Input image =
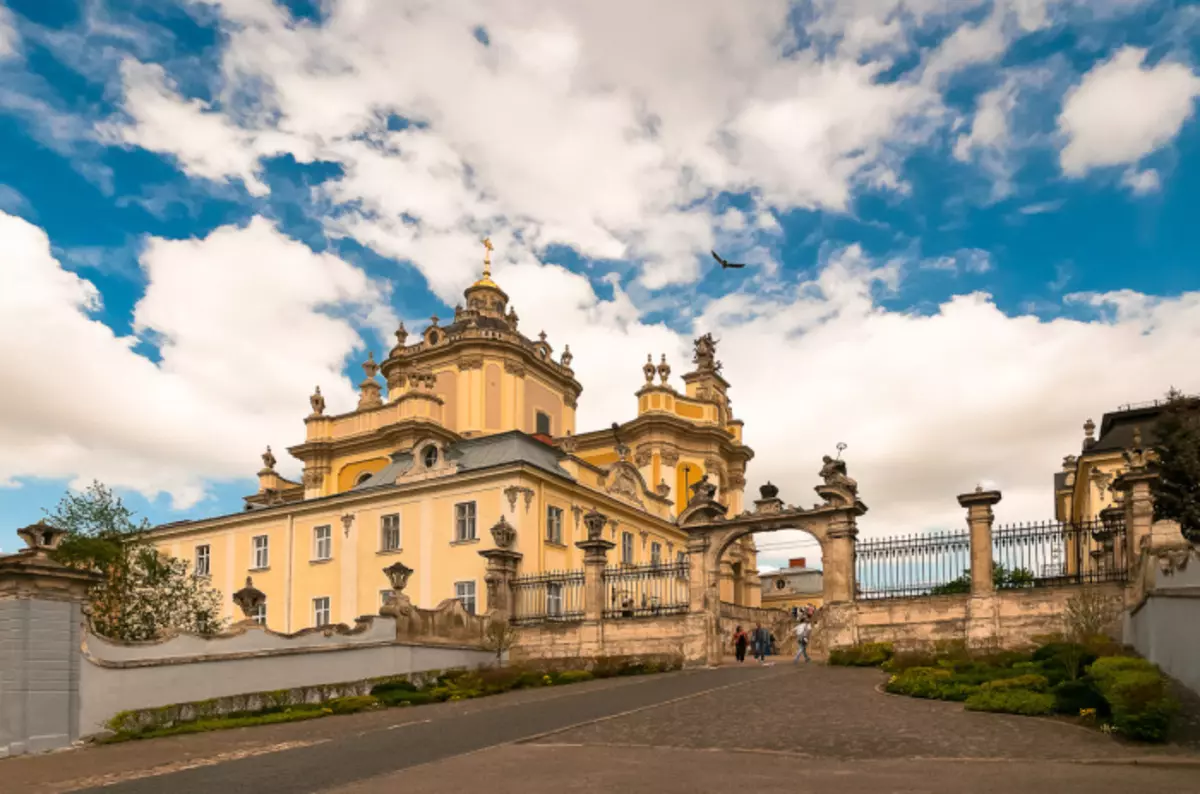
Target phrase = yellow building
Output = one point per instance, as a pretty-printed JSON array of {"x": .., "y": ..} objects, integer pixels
[
  {"x": 477, "y": 422},
  {"x": 795, "y": 587}
]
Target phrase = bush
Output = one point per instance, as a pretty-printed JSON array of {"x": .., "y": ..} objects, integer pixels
[
  {"x": 867, "y": 654},
  {"x": 573, "y": 676},
  {"x": 1137, "y": 696},
  {"x": 1032, "y": 683},
  {"x": 402, "y": 697},
  {"x": 1011, "y": 701},
  {"x": 499, "y": 679},
  {"x": 352, "y": 704},
  {"x": 1064, "y": 660},
  {"x": 934, "y": 683},
  {"x": 905, "y": 660},
  {"x": 398, "y": 685},
  {"x": 1072, "y": 697}
]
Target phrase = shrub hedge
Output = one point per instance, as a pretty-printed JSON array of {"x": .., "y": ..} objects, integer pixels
[
  {"x": 1137, "y": 696},
  {"x": 867, "y": 654},
  {"x": 1011, "y": 701}
]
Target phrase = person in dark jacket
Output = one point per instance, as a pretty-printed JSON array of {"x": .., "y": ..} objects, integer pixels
[
  {"x": 761, "y": 640},
  {"x": 740, "y": 641}
]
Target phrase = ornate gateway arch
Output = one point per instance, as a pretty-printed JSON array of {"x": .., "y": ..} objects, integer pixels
[{"x": 832, "y": 522}]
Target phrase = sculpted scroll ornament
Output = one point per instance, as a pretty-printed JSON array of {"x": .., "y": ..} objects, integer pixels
[
  {"x": 669, "y": 455},
  {"x": 642, "y": 456}
]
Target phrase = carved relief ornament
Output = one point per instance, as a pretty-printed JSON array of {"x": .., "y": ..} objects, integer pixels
[
  {"x": 669, "y": 455},
  {"x": 514, "y": 368}
]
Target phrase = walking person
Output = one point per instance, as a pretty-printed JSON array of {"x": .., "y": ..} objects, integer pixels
[
  {"x": 740, "y": 641},
  {"x": 803, "y": 631},
  {"x": 762, "y": 643}
]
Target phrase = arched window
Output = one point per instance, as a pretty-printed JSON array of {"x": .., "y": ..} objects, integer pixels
[
  {"x": 366, "y": 475},
  {"x": 543, "y": 423}
]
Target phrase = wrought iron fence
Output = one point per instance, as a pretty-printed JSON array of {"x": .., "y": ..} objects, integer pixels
[
  {"x": 912, "y": 565},
  {"x": 642, "y": 590},
  {"x": 1057, "y": 552},
  {"x": 548, "y": 596}
]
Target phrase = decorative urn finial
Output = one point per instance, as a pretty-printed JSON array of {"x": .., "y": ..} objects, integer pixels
[
  {"x": 317, "y": 402},
  {"x": 594, "y": 521},
  {"x": 401, "y": 334},
  {"x": 664, "y": 370},
  {"x": 1089, "y": 430},
  {"x": 768, "y": 491},
  {"x": 249, "y": 599},
  {"x": 503, "y": 533},
  {"x": 369, "y": 366},
  {"x": 648, "y": 368},
  {"x": 268, "y": 459},
  {"x": 397, "y": 574},
  {"x": 567, "y": 357}
]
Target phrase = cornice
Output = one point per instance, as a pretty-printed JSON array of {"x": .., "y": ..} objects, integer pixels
[
  {"x": 383, "y": 436},
  {"x": 478, "y": 343}
]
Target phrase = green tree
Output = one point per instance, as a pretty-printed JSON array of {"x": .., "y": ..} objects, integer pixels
[
  {"x": 1177, "y": 447},
  {"x": 1003, "y": 578},
  {"x": 144, "y": 593}
]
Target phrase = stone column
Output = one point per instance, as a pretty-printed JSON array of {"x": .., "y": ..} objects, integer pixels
[
  {"x": 502, "y": 563},
  {"x": 838, "y": 557},
  {"x": 595, "y": 560},
  {"x": 40, "y": 618},
  {"x": 1138, "y": 501},
  {"x": 979, "y": 520}
]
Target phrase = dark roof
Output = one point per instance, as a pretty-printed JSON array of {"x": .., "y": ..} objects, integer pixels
[
  {"x": 1116, "y": 429},
  {"x": 484, "y": 452}
]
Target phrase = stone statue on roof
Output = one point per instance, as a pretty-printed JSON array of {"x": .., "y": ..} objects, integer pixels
[
  {"x": 317, "y": 401},
  {"x": 833, "y": 472},
  {"x": 705, "y": 353}
]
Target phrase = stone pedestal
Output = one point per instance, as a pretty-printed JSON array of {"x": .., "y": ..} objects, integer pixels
[
  {"x": 838, "y": 557},
  {"x": 979, "y": 521},
  {"x": 40, "y": 621},
  {"x": 595, "y": 560}
]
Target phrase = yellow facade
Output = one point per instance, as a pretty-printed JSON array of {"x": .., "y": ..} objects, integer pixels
[{"x": 475, "y": 414}]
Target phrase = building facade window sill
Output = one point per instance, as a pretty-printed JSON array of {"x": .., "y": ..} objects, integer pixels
[
  {"x": 389, "y": 551},
  {"x": 260, "y": 570},
  {"x": 558, "y": 544},
  {"x": 466, "y": 542},
  {"x": 320, "y": 561}
]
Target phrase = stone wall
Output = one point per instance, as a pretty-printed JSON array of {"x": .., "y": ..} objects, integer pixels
[
  {"x": 669, "y": 635},
  {"x": 778, "y": 621},
  {"x": 1006, "y": 618},
  {"x": 116, "y": 677},
  {"x": 1165, "y": 626}
]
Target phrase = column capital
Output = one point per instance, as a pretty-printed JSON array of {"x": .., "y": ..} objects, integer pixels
[
  {"x": 595, "y": 549},
  {"x": 979, "y": 498}
]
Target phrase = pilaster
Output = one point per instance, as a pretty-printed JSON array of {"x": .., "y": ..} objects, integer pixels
[{"x": 979, "y": 520}]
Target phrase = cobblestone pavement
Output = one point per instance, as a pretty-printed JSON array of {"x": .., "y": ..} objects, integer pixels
[
  {"x": 536, "y": 768},
  {"x": 838, "y": 713}
]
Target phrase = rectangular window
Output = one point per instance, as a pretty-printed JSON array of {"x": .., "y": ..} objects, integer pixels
[
  {"x": 543, "y": 423},
  {"x": 202, "y": 561},
  {"x": 627, "y": 548},
  {"x": 385, "y": 596},
  {"x": 464, "y": 521},
  {"x": 465, "y": 592},
  {"x": 554, "y": 521},
  {"x": 655, "y": 553},
  {"x": 322, "y": 542},
  {"x": 260, "y": 614},
  {"x": 321, "y": 611},
  {"x": 553, "y": 598},
  {"x": 681, "y": 557},
  {"x": 390, "y": 532},
  {"x": 261, "y": 558}
]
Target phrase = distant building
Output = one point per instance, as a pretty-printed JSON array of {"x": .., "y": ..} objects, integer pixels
[{"x": 793, "y": 587}]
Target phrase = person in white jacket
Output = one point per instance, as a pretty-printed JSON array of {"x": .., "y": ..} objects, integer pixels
[{"x": 803, "y": 630}]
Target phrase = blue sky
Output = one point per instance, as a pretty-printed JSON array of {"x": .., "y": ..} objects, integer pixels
[{"x": 962, "y": 220}]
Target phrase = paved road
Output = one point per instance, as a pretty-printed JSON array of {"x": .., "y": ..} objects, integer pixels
[{"x": 360, "y": 756}]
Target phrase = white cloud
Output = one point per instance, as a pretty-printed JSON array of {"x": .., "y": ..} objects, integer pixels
[
  {"x": 10, "y": 39},
  {"x": 1123, "y": 110},
  {"x": 248, "y": 322},
  {"x": 1141, "y": 182},
  {"x": 989, "y": 137},
  {"x": 966, "y": 260}
]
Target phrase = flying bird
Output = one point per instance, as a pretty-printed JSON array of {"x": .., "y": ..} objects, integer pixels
[{"x": 725, "y": 263}]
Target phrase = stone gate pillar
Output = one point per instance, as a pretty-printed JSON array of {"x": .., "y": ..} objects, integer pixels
[
  {"x": 1138, "y": 501},
  {"x": 838, "y": 556},
  {"x": 41, "y": 612},
  {"x": 502, "y": 564},
  {"x": 595, "y": 560},
  {"x": 979, "y": 519}
]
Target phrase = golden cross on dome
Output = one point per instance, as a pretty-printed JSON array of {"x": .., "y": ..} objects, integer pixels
[{"x": 487, "y": 257}]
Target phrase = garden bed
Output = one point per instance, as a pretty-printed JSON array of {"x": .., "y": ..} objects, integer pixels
[
  {"x": 1095, "y": 685},
  {"x": 400, "y": 691}
]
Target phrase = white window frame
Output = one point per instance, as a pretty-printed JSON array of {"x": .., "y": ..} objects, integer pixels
[
  {"x": 554, "y": 524},
  {"x": 554, "y": 599},
  {"x": 261, "y": 552},
  {"x": 385, "y": 531},
  {"x": 323, "y": 542},
  {"x": 203, "y": 552},
  {"x": 627, "y": 548},
  {"x": 260, "y": 614},
  {"x": 655, "y": 553},
  {"x": 465, "y": 593},
  {"x": 322, "y": 610},
  {"x": 465, "y": 519}
]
